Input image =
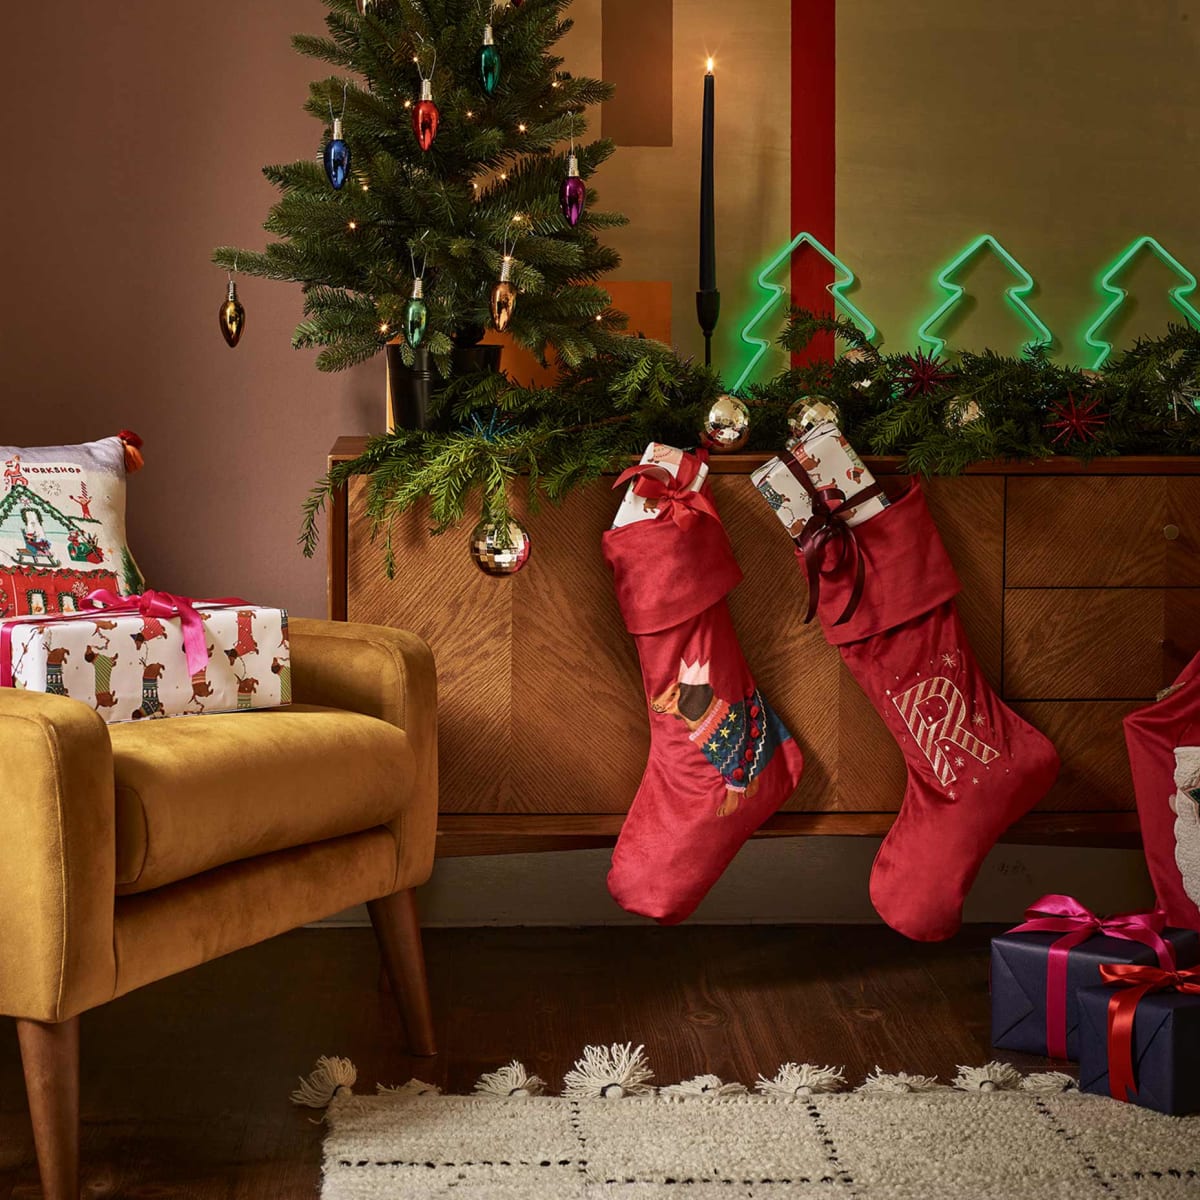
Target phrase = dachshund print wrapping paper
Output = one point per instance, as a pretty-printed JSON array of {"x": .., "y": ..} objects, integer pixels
[
  {"x": 130, "y": 667},
  {"x": 721, "y": 762}
]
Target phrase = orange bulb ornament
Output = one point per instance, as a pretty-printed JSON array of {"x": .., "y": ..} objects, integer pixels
[{"x": 232, "y": 317}]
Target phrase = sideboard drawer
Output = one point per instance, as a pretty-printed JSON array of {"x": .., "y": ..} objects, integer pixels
[
  {"x": 1143, "y": 531},
  {"x": 1097, "y": 644}
]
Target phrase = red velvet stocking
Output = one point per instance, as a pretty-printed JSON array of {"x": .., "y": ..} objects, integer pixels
[
  {"x": 721, "y": 761},
  {"x": 974, "y": 767}
]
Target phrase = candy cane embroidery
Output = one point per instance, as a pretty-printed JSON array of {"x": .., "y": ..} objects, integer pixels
[{"x": 935, "y": 736}]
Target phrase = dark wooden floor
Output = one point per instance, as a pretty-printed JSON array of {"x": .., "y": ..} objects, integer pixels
[{"x": 185, "y": 1083}]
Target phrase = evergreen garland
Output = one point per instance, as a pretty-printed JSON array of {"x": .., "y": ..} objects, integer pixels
[{"x": 603, "y": 412}]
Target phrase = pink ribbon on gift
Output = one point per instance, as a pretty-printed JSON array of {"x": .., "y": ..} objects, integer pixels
[
  {"x": 1077, "y": 923},
  {"x": 671, "y": 496},
  {"x": 163, "y": 606}
]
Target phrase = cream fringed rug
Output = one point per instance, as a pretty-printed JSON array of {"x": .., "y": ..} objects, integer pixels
[{"x": 992, "y": 1134}]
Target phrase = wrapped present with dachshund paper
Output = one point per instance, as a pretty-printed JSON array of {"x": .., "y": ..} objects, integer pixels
[
  {"x": 1139, "y": 1037},
  {"x": 1040, "y": 966},
  {"x": 153, "y": 655}
]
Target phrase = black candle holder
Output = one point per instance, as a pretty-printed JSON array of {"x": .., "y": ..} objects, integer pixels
[{"x": 708, "y": 313}]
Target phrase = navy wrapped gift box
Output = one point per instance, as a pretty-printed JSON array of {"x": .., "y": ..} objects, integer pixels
[
  {"x": 1166, "y": 1049},
  {"x": 1019, "y": 981}
]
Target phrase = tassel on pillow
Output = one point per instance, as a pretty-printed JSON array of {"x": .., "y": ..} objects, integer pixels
[{"x": 133, "y": 451}]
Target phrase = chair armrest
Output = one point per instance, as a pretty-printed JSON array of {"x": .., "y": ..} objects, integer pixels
[
  {"x": 57, "y": 857},
  {"x": 384, "y": 673}
]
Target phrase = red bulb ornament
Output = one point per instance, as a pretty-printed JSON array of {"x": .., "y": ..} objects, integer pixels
[{"x": 426, "y": 116}]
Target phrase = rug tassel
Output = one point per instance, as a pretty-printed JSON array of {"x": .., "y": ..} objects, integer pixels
[
  {"x": 512, "y": 1080},
  {"x": 802, "y": 1079},
  {"x": 991, "y": 1077},
  {"x": 900, "y": 1083},
  {"x": 1048, "y": 1083},
  {"x": 414, "y": 1087},
  {"x": 331, "y": 1077},
  {"x": 709, "y": 1087},
  {"x": 609, "y": 1073}
]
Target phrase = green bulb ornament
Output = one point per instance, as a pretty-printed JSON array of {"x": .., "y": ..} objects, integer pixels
[
  {"x": 416, "y": 315},
  {"x": 489, "y": 62}
]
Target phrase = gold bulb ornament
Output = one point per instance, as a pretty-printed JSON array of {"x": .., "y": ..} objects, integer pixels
[
  {"x": 504, "y": 296},
  {"x": 808, "y": 412},
  {"x": 726, "y": 425},
  {"x": 960, "y": 412},
  {"x": 497, "y": 555},
  {"x": 232, "y": 317}
]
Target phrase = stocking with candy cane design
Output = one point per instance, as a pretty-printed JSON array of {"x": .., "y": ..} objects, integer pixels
[
  {"x": 885, "y": 594},
  {"x": 721, "y": 762}
]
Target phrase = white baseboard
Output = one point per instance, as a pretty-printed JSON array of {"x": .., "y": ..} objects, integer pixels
[{"x": 785, "y": 881}]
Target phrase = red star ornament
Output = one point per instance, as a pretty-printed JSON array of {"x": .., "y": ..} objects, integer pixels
[
  {"x": 923, "y": 374},
  {"x": 1076, "y": 420}
]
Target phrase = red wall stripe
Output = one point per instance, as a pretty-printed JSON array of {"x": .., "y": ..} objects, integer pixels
[{"x": 814, "y": 155}]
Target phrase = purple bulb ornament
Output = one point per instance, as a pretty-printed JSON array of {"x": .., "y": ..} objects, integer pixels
[{"x": 573, "y": 195}]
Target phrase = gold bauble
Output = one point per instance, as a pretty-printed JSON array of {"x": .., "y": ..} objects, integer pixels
[
  {"x": 495, "y": 559},
  {"x": 810, "y": 411},
  {"x": 232, "y": 316},
  {"x": 962, "y": 412},
  {"x": 726, "y": 425}
]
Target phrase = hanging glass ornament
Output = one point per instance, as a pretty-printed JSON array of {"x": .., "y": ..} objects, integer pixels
[
  {"x": 337, "y": 157},
  {"x": 962, "y": 411},
  {"x": 364, "y": 6},
  {"x": 726, "y": 425},
  {"x": 504, "y": 295},
  {"x": 416, "y": 315},
  {"x": 490, "y": 553},
  {"x": 426, "y": 116},
  {"x": 573, "y": 195},
  {"x": 808, "y": 412},
  {"x": 232, "y": 316},
  {"x": 489, "y": 62}
]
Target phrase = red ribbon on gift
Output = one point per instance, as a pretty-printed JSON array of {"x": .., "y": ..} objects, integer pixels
[
  {"x": 1077, "y": 923},
  {"x": 826, "y": 526},
  {"x": 1135, "y": 982},
  {"x": 164, "y": 605},
  {"x": 671, "y": 495}
]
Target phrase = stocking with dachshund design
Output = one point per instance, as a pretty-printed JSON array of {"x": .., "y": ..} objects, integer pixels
[
  {"x": 886, "y": 600},
  {"x": 721, "y": 762}
]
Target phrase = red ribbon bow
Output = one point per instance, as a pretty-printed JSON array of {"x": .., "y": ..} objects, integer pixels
[
  {"x": 1135, "y": 982},
  {"x": 164, "y": 605},
  {"x": 830, "y": 508},
  {"x": 671, "y": 495},
  {"x": 1077, "y": 923}
]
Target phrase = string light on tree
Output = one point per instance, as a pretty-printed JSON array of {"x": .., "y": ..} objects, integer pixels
[
  {"x": 426, "y": 116},
  {"x": 573, "y": 196}
]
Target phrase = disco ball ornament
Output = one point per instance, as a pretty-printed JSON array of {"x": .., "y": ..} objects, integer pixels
[
  {"x": 960, "y": 412},
  {"x": 494, "y": 559},
  {"x": 808, "y": 412},
  {"x": 726, "y": 425}
]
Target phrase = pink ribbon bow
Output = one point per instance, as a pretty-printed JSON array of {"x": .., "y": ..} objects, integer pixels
[
  {"x": 164, "y": 605},
  {"x": 672, "y": 496},
  {"x": 1064, "y": 914}
]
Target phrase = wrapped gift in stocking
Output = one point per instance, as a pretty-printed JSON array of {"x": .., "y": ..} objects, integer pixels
[
  {"x": 884, "y": 592},
  {"x": 721, "y": 761}
]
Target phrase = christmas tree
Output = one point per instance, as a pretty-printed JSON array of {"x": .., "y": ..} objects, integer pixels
[{"x": 448, "y": 131}]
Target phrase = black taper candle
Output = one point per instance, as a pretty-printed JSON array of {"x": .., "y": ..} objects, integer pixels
[{"x": 708, "y": 299}]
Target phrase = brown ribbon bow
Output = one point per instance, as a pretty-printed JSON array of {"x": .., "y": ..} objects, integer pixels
[
  {"x": 827, "y": 524},
  {"x": 672, "y": 496}
]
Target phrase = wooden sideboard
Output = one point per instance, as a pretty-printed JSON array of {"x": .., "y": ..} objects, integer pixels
[{"x": 1081, "y": 596}]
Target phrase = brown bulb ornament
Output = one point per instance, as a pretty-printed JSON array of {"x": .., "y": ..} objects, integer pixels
[
  {"x": 504, "y": 296},
  {"x": 232, "y": 317}
]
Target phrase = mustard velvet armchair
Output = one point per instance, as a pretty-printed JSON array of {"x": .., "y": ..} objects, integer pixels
[{"x": 132, "y": 852}]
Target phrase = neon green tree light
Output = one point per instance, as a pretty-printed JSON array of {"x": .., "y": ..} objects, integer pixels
[
  {"x": 1015, "y": 295},
  {"x": 776, "y": 292},
  {"x": 1118, "y": 294}
]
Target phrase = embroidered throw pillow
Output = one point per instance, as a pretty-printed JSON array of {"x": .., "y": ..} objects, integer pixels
[{"x": 62, "y": 524}]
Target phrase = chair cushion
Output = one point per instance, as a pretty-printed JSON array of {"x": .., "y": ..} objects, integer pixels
[{"x": 199, "y": 792}]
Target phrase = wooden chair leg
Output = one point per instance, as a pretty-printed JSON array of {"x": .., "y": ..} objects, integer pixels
[
  {"x": 398, "y": 930},
  {"x": 50, "y": 1057}
]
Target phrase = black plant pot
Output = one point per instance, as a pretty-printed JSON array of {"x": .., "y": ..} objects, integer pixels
[{"x": 415, "y": 388}]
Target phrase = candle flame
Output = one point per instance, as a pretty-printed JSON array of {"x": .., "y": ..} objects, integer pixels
[{"x": 711, "y": 64}]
